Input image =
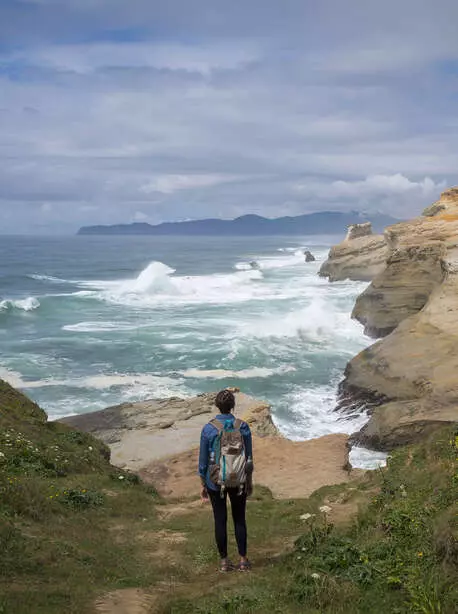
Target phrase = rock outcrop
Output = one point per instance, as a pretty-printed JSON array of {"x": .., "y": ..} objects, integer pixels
[
  {"x": 360, "y": 257},
  {"x": 402, "y": 289},
  {"x": 356, "y": 231},
  {"x": 309, "y": 257},
  {"x": 439, "y": 222},
  {"x": 408, "y": 381},
  {"x": 411, "y": 374},
  {"x": 139, "y": 433},
  {"x": 159, "y": 439}
]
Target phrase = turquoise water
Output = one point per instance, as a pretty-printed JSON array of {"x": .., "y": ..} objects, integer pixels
[{"x": 87, "y": 322}]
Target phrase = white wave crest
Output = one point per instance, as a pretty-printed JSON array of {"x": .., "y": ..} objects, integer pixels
[
  {"x": 155, "y": 278},
  {"x": 157, "y": 284},
  {"x": 318, "y": 322},
  {"x": 27, "y": 304},
  {"x": 361, "y": 458},
  {"x": 102, "y": 327},
  {"x": 97, "y": 382},
  {"x": 13, "y": 378},
  {"x": 254, "y": 372},
  {"x": 311, "y": 414},
  {"x": 50, "y": 278}
]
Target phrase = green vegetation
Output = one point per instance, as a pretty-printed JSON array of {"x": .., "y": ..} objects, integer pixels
[
  {"x": 73, "y": 528},
  {"x": 399, "y": 555},
  {"x": 59, "y": 497}
]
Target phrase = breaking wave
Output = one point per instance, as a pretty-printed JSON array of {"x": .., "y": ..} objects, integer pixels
[
  {"x": 157, "y": 284},
  {"x": 27, "y": 304},
  {"x": 249, "y": 373}
]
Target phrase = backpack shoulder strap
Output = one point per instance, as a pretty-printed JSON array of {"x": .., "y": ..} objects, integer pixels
[
  {"x": 237, "y": 424},
  {"x": 217, "y": 424}
]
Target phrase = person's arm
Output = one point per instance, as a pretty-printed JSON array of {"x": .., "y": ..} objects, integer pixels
[
  {"x": 247, "y": 440},
  {"x": 203, "y": 464}
]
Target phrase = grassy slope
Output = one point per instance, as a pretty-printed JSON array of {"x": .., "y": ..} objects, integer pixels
[{"x": 71, "y": 530}]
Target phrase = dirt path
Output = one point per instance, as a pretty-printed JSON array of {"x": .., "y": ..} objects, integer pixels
[{"x": 184, "y": 521}]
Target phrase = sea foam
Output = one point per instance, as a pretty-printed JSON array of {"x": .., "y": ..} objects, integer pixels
[
  {"x": 158, "y": 285},
  {"x": 27, "y": 304}
]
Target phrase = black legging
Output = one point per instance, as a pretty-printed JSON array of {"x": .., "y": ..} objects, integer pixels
[{"x": 238, "y": 506}]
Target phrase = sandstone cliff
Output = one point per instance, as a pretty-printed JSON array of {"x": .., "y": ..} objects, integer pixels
[
  {"x": 401, "y": 289},
  {"x": 360, "y": 257},
  {"x": 409, "y": 379}
]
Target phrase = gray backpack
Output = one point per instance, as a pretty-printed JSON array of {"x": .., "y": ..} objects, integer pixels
[{"x": 227, "y": 456}]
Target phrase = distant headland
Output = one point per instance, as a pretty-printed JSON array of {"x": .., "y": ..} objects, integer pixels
[{"x": 324, "y": 222}]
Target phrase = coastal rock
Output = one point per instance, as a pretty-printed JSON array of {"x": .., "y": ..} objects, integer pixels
[
  {"x": 159, "y": 440},
  {"x": 439, "y": 222},
  {"x": 360, "y": 257},
  {"x": 408, "y": 380},
  {"x": 403, "y": 422},
  {"x": 309, "y": 257},
  {"x": 448, "y": 200},
  {"x": 289, "y": 469},
  {"x": 401, "y": 289},
  {"x": 139, "y": 433},
  {"x": 356, "y": 231}
]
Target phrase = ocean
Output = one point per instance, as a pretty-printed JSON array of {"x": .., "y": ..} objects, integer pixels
[{"x": 88, "y": 322}]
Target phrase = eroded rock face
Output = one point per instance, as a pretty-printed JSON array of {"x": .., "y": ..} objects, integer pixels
[
  {"x": 401, "y": 289},
  {"x": 358, "y": 259},
  {"x": 439, "y": 222},
  {"x": 448, "y": 199},
  {"x": 356, "y": 231},
  {"x": 408, "y": 381},
  {"x": 409, "y": 378}
]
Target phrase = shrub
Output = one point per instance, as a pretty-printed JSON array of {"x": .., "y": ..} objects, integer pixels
[{"x": 79, "y": 499}]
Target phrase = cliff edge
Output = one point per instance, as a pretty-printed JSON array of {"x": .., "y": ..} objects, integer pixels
[
  {"x": 360, "y": 257},
  {"x": 408, "y": 379}
]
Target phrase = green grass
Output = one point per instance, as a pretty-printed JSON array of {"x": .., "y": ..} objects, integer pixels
[
  {"x": 400, "y": 555},
  {"x": 73, "y": 527},
  {"x": 59, "y": 500}
]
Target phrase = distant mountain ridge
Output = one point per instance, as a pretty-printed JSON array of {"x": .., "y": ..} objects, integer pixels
[{"x": 325, "y": 222}]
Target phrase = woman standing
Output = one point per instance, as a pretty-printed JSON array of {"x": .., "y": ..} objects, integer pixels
[{"x": 225, "y": 468}]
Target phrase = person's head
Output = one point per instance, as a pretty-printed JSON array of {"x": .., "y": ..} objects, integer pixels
[{"x": 225, "y": 401}]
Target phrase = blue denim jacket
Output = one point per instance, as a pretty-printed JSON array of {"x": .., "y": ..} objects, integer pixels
[{"x": 207, "y": 438}]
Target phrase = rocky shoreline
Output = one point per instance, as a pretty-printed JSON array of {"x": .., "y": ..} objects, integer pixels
[
  {"x": 159, "y": 439},
  {"x": 408, "y": 379}
]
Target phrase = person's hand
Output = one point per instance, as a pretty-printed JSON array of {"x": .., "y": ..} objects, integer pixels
[
  {"x": 249, "y": 487},
  {"x": 204, "y": 494}
]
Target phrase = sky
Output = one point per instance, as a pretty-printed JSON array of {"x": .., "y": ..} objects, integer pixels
[{"x": 114, "y": 111}]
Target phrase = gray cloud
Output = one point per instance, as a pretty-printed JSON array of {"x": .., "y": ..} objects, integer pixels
[{"x": 115, "y": 111}]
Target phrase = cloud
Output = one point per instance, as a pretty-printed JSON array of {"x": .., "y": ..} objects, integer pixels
[
  {"x": 390, "y": 192},
  {"x": 388, "y": 184},
  {"x": 168, "y": 184},
  {"x": 375, "y": 185},
  {"x": 111, "y": 111},
  {"x": 94, "y": 57}
]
